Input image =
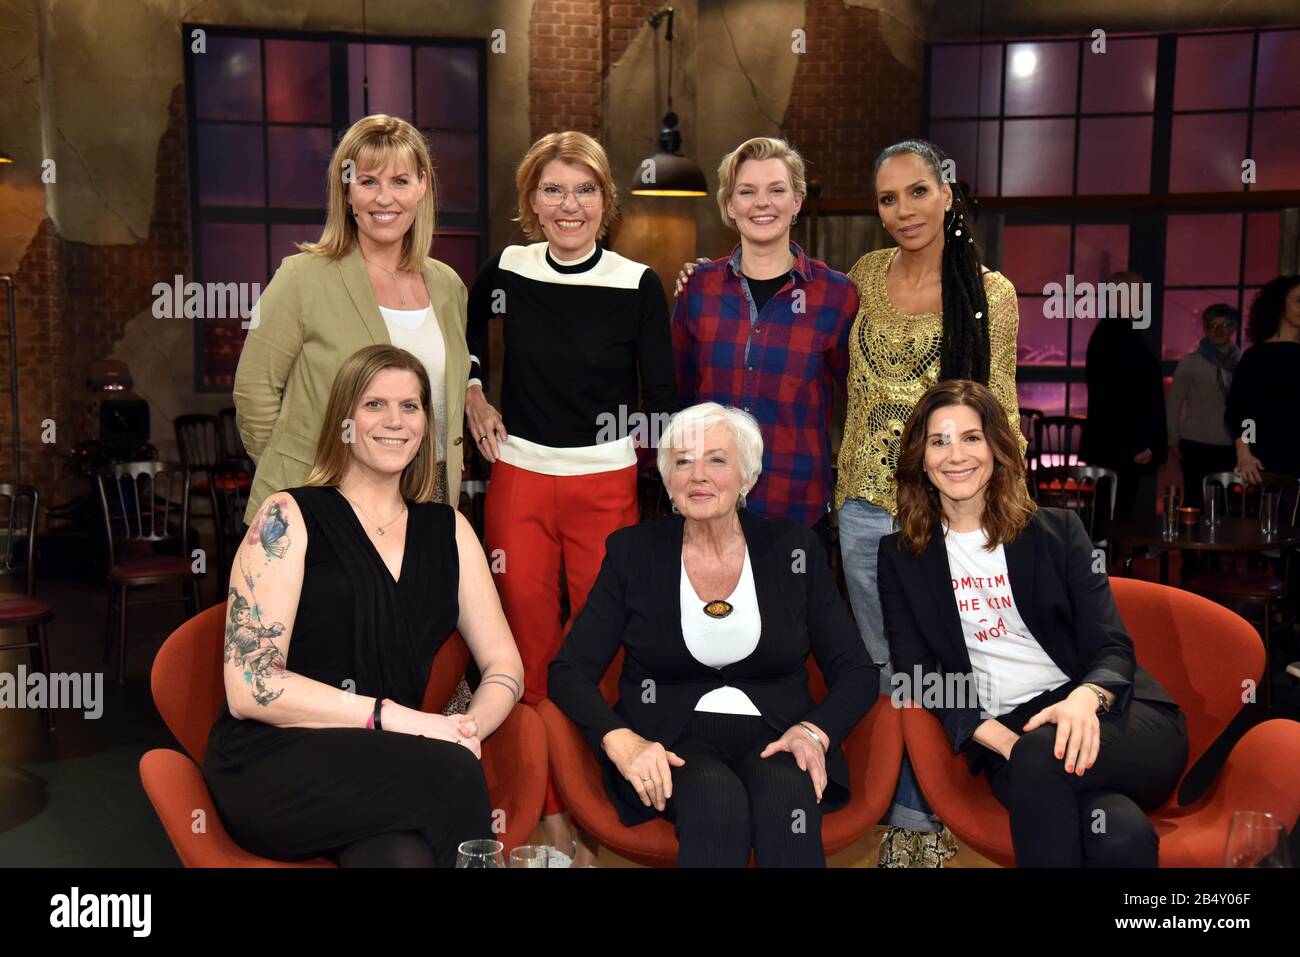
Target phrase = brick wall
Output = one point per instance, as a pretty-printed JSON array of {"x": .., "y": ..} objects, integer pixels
[
  {"x": 622, "y": 21},
  {"x": 565, "y": 66},
  {"x": 73, "y": 303},
  {"x": 851, "y": 98}
]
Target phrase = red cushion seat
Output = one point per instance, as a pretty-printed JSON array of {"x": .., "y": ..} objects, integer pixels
[
  {"x": 24, "y": 610},
  {"x": 153, "y": 568}
]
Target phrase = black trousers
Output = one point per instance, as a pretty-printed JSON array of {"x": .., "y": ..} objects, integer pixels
[
  {"x": 1199, "y": 460},
  {"x": 727, "y": 800},
  {"x": 1097, "y": 820}
]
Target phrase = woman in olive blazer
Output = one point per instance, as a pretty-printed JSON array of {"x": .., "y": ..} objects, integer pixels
[{"x": 323, "y": 305}]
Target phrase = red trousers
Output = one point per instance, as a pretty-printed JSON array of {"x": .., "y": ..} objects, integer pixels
[{"x": 543, "y": 530}]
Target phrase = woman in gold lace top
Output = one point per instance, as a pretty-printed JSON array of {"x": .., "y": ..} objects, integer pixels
[{"x": 929, "y": 311}]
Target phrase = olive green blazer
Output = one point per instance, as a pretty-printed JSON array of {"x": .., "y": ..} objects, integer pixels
[{"x": 312, "y": 316}]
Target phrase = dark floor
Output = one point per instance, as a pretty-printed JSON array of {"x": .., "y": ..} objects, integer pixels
[{"x": 73, "y": 798}]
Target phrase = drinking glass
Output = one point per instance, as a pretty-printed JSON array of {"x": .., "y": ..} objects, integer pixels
[
  {"x": 530, "y": 855},
  {"x": 1270, "y": 500},
  {"x": 1216, "y": 503},
  {"x": 482, "y": 853},
  {"x": 1256, "y": 839},
  {"x": 1173, "y": 498}
]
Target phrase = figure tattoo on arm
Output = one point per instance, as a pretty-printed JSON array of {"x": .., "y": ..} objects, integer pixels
[{"x": 250, "y": 644}]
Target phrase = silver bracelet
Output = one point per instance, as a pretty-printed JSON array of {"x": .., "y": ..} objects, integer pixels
[{"x": 813, "y": 734}]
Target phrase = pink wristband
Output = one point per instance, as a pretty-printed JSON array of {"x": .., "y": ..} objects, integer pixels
[{"x": 370, "y": 722}]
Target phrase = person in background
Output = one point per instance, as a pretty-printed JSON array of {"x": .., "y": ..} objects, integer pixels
[
  {"x": 1265, "y": 395},
  {"x": 1049, "y": 700},
  {"x": 1125, "y": 429},
  {"x": 766, "y": 329},
  {"x": 1263, "y": 408},
  {"x": 367, "y": 280},
  {"x": 580, "y": 325},
  {"x": 714, "y": 616},
  {"x": 1198, "y": 437}
]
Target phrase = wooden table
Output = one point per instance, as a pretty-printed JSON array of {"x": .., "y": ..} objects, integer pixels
[{"x": 1229, "y": 535}]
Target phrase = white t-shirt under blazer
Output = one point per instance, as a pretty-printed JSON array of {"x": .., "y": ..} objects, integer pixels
[
  {"x": 1010, "y": 665},
  {"x": 417, "y": 331}
]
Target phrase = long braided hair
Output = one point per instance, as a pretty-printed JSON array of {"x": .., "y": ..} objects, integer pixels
[{"x": 964, "y": 350}]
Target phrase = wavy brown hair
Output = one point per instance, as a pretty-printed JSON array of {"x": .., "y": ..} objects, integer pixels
[
  {"x": 1007, "y": 505},
  {"x": 419, "y": 478}
]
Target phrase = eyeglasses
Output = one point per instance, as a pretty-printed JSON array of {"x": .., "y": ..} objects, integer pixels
[
  {"x": 1218, "y": 326},
  {"x": 587, "y": 195}
]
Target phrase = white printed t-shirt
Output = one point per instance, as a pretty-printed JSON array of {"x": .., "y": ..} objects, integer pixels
[{"x": 1010, "y": 665}]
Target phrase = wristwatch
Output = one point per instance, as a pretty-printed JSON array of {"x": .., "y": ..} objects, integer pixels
[{"x": 1102, "y": 704}]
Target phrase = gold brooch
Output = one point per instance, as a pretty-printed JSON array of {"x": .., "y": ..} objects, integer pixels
[{"x": 718, "y": 608}]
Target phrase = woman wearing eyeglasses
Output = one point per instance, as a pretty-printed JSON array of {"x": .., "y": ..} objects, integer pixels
[
  {"x": 580, "y": 324},
  {"x": 1199, "y": 439}
]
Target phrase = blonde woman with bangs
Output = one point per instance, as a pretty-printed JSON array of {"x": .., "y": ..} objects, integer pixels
[
  {"x": 366, "y": 575},
  {"x": 368, "y": 280},
  {"x": 580, "y": 326}
]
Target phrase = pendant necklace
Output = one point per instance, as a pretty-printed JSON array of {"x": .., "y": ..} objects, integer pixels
[
  {"x": 400, "y": 297},
  {"x": 378, "y": 528}
]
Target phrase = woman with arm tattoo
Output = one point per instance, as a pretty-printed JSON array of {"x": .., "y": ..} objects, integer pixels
[{"x": 341, "y": 594}]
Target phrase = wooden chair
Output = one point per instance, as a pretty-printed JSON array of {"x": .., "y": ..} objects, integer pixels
[
  {"x": 1029, "y": 419},
  {"x": 220, "y": 472},
  {"x": 138, "y": 501},
  {"x": 232, "y": 444},
  {"x": 1080, "y": 489},
  {"x": 1256, "y": 588},
  {"x": 19, "y": 558},
  {"x": 1057, "y": 439}
]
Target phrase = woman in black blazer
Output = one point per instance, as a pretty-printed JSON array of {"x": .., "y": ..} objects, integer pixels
[
  {"x": 1002, "y": 624},
  {"x": 717, "y": 611}
]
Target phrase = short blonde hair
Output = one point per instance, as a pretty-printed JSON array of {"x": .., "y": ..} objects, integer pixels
[
  {"x": 698, "y": 419},
  {"x": 569, "y": 147},
  {"x": 371, "y": 143},
  {"x": 758, "y": 148},
  {"x": 420, "y": 477}
]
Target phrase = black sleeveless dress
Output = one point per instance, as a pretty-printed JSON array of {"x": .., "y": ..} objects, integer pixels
[{"x": 294, "y": 793}]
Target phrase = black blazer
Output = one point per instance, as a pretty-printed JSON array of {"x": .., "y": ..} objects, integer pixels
[
  {"x": 636, "y": 604},
  {"x": 1067, "y": 607}
]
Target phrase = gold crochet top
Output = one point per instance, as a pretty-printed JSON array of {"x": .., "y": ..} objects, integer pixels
[{"x": 893, "y": 359}]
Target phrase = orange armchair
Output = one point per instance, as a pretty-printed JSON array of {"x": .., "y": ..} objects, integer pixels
[
  {"x": 874, "y": 751},
  {"x": 188, "y": 690},
  {"x": 1200, "y": 652}
]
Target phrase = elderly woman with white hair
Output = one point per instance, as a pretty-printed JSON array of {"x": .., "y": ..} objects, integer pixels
[{"x": 717, "y": 611}]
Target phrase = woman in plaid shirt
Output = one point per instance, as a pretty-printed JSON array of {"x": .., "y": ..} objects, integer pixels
[{"x": 766, "y": 330}]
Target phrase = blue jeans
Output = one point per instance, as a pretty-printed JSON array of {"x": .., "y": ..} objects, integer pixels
[{"x": 862, "y": 526}]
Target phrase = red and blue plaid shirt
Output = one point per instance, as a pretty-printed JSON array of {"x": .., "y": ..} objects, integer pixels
[{"x": 778, "y": 364}]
